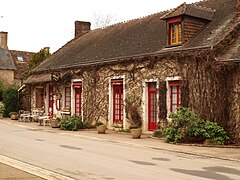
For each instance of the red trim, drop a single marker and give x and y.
(117, 82)
(175, 84)
(117, 103)
(152, 106)
(77, 84)
(50, 99)
(78, 101)
(173, 20)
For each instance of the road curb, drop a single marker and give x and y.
(37, 171)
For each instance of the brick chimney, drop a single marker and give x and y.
(82, 28)
(3, 40)
(47, 49)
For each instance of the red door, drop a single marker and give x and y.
(50, 100)
(118, 103)
(152, 106)
(78, 100)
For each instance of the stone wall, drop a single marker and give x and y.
(7, 77)
(204, 88)
(234, 101)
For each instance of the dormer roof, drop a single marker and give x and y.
(190, 10)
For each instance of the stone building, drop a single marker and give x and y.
(12, 63)
(188, 56)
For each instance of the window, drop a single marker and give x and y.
(117, 87)
(152, 106)
(175, 95)
(68, 98)
(20, 58)
(77, 89)
(39, 97)
(175, 33)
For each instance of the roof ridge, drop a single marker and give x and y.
(173, 9)
(201, 7)
(129, 20)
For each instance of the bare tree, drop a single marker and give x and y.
(102, 20)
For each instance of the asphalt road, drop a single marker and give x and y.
(87, 158)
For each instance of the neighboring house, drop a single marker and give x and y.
(188, 56)
(12, 63)
(7, 66)
(21, 60)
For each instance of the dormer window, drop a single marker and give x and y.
(175, 33)
(20, 58)
(185, 22)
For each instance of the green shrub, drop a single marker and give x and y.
(98, 123)
(72, 123)
(157, 133)
(216, 134)
(10, 101)
(184, 123)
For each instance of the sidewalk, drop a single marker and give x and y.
(8, 172)
(227, 153)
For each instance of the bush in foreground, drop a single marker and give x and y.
(72, 123)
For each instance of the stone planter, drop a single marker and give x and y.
(54, 123)
(14, 116)
(136, 133)
(101, 129)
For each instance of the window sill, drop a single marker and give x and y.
(173, 45)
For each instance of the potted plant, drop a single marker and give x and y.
(101, 127)
(133, 115)
(55, 122)
(1, 110)
(14, 115)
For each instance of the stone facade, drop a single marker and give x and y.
(7, 77)
(109, 66)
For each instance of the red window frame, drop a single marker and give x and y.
(39, 97)
(67, 97)
(117, 101)
(174, 91)
(175, 31)
(50, 100)
(152, 106)
(78, 97)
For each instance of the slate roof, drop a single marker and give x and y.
(22, 63)
(139, 37)
(6, 62)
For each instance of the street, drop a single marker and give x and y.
(88, 158)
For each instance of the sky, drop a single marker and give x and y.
(35, 24)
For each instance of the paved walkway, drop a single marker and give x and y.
(8, 172)
(227, 152)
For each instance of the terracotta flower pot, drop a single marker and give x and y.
(101, 129)
(54, 123)
(136, 133)
(14, 116)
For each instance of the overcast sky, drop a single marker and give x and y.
(34, 24)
